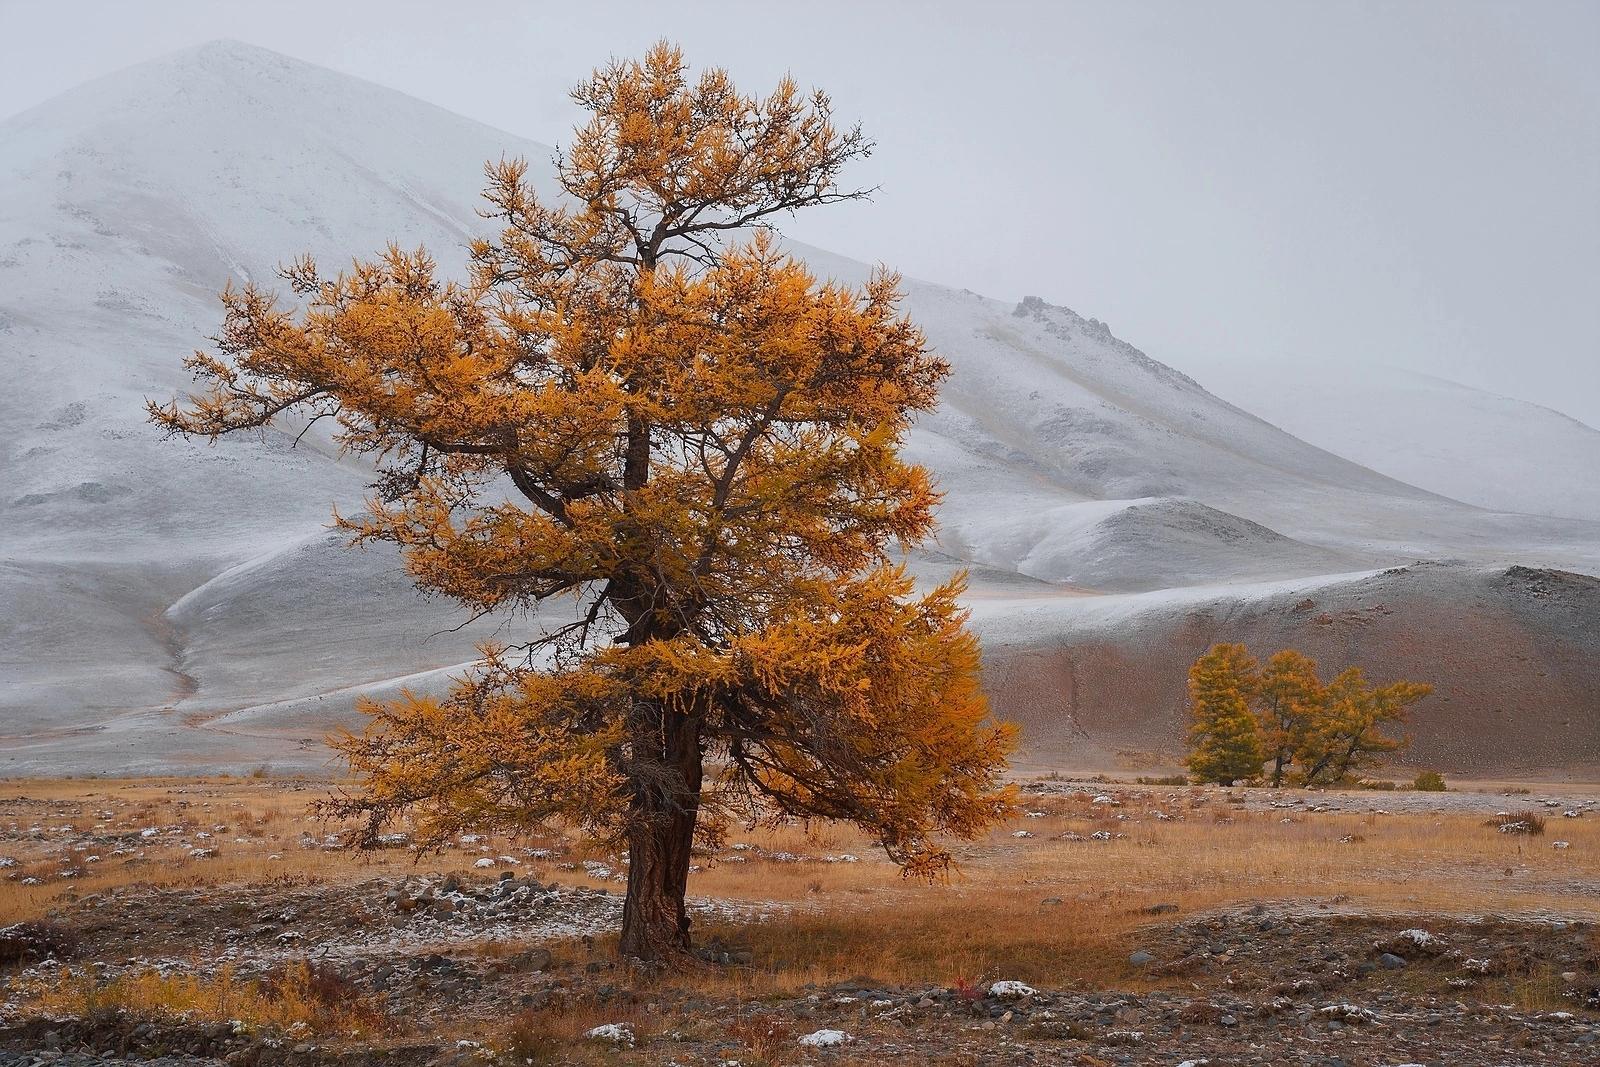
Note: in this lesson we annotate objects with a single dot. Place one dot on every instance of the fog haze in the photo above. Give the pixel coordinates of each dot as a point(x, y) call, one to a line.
point(1345, 185)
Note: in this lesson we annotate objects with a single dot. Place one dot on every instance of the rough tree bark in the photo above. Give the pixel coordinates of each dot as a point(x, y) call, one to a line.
point(664, 809)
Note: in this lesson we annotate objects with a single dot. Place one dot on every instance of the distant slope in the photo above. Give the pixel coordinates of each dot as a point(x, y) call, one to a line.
point(166, 604)
point(1485, 449)
point(1510, 652)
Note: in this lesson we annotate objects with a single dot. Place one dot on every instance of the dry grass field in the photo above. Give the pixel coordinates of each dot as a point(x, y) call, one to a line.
point(1058, 900)
point(1206, 848)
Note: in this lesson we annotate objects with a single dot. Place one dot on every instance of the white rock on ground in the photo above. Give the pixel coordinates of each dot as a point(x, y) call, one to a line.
point(1011, 990)
point(1419, 938)
point(615, 1033)
point(825, 1039)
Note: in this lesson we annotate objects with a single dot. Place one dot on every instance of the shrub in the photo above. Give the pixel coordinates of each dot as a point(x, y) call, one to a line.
point(1375, 783)
point(967, 990)
point(1429, 782)
point(1521, 822)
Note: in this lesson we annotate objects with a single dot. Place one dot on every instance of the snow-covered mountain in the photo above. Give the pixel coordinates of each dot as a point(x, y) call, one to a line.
point(167, 603)
point(1451, 438)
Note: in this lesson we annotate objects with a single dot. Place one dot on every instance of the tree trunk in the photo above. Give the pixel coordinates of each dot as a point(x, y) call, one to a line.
point(1348, 758)
point(666, 803)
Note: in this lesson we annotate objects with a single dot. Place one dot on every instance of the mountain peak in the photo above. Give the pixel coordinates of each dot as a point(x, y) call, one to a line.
point(232, 47)
point(228, 57)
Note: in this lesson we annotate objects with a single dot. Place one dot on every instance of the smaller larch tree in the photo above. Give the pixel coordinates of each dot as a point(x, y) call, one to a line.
point(1242, 716)
point(1288, 705)
point(1224, 735)
point(1348, 733)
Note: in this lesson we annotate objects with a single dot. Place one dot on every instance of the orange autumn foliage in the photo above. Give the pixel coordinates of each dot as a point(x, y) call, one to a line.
point(637, 402)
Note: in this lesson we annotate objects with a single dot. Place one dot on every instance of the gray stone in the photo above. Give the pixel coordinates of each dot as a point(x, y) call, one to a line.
point(532, 959)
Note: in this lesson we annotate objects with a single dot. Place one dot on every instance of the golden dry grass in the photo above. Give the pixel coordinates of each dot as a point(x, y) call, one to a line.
point(842, 918)
point(270, 814)
point(991, 921)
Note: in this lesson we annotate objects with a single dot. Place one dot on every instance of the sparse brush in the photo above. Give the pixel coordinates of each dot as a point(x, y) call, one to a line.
point(528, 1039)
point(314, 982)
point(554, 1035)
point(1382, 785)
point(297, 994)
point(1175, 779)
point(769, 1040)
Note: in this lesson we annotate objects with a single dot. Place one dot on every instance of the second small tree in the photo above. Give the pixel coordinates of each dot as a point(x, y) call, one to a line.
point(1224, 737)
point(1289, 702)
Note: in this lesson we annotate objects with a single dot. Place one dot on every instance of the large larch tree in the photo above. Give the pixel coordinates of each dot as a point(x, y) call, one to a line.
point(637, 402)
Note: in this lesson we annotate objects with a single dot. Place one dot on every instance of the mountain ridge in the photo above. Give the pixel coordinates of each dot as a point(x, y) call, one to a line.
point(1077, 469)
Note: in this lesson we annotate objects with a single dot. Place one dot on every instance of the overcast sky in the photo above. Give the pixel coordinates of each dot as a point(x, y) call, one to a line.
point(1413, 184)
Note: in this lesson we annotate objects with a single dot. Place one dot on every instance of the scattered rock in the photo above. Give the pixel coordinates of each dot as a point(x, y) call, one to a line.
point(27, 942)
point(530, 960)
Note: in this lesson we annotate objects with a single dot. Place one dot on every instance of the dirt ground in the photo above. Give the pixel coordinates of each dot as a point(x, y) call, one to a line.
point(205, 921)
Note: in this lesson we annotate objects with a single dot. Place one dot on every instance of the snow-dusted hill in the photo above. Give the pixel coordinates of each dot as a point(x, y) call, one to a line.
point(1465, 443)
point(166, 603)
